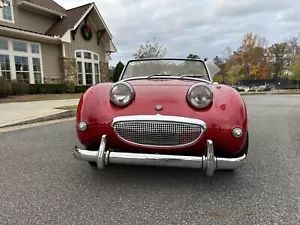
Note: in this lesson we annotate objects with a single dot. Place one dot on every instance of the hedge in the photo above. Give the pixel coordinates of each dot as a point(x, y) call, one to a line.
point(5, 88)
point(20, 88)
point(51, 88)
point(81, 89)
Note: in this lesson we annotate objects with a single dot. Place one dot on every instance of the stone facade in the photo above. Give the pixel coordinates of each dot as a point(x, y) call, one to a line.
point(69, 70)
point(104, 71)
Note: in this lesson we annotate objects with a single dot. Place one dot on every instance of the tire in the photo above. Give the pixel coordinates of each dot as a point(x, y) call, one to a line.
point(93, 164)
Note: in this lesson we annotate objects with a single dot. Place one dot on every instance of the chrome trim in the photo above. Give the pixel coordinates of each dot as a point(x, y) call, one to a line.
point(155, 59)
point(189, 93)
point(237, 132)
point(130, 89)
point(209, 162)
point(160, 118)
point(210, 159)
point(168, 77)
point(82, 126)
point(230, 163)
point(155, 160)
point(101, 153)
point(209, 74)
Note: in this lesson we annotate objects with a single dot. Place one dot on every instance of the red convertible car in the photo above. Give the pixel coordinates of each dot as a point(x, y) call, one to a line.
point(163, 112)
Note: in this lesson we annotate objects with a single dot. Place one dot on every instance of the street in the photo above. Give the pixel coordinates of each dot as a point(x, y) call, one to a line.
point(41, 183)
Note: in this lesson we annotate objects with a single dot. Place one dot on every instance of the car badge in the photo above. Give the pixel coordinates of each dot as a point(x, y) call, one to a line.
point(159, 108)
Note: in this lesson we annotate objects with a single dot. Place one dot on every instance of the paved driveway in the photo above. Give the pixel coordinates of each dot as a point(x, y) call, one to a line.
point(40, 182)
point(12, 113)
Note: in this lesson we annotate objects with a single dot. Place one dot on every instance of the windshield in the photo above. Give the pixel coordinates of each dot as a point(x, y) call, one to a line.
point(166, 67)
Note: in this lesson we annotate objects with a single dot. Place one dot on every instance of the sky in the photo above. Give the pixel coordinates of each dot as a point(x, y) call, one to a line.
point(199, 27)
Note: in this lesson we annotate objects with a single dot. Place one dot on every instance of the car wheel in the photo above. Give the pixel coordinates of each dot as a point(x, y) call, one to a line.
point(93, 164)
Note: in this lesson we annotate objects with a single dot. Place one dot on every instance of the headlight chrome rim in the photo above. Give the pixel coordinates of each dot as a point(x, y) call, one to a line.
point(130, 97)
point(82, 126)
point(192, 102)
point(237, 132)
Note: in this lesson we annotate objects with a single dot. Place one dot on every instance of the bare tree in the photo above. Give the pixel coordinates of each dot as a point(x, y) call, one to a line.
point(150, 50)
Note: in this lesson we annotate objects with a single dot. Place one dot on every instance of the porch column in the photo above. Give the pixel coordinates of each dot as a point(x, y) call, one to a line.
point(104, 72)
point(69, 70)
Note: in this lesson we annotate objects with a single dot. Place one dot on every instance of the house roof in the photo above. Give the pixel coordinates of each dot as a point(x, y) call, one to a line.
point(68, 22)
point(48, 4)
point(8, 30)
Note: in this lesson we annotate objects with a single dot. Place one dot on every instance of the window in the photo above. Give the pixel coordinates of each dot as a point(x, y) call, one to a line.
point(79, 73)
point(6, 11)
point(3, 44)
point(97, 74)
point(88, 72)
point(87, 55)
point(21, 61)
point(20, 46)
point(22, 69)
point(36, 62)
point(78, 55)
point(35, 48)
point(5, 67)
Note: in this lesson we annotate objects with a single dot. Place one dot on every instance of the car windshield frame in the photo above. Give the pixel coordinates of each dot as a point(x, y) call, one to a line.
point(206, 77)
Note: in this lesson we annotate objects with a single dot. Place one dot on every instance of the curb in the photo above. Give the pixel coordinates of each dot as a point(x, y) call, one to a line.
point(268, 93)
point(56, 116)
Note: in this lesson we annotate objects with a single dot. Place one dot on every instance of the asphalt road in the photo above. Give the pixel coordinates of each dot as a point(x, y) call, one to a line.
point(40, 182)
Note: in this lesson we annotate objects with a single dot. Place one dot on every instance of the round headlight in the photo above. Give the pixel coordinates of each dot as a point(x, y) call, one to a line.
point(199, 96)
point(121, 94)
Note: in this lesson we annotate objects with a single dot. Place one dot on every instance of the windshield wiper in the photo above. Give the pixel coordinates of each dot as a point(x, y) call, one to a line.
point(191, 75)
point(159, 75)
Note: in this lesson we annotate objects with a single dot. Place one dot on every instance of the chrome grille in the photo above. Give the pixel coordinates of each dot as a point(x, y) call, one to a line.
point(158, 133)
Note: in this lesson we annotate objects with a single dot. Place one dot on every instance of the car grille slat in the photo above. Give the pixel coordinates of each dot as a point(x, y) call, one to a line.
point(158, 133)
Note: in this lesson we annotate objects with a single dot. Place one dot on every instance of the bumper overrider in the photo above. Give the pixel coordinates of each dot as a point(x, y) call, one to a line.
point(208, 162)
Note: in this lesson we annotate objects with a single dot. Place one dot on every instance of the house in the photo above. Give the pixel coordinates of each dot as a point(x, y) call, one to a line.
point(41, 42)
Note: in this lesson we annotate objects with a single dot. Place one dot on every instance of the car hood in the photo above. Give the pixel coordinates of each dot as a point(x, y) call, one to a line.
point(162, 82)
point(171, 92)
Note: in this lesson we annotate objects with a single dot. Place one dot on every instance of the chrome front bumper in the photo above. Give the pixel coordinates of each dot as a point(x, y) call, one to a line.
point(209, 162)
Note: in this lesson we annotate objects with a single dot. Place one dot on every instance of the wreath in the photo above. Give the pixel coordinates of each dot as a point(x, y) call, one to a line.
point(86, 32)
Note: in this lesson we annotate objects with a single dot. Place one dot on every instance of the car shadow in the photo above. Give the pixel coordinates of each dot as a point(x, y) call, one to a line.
point(163, 177)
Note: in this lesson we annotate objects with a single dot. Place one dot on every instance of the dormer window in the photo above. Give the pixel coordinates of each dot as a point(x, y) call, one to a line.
point(6, 10)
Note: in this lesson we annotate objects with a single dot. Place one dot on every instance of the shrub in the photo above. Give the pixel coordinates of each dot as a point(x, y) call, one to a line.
point(81, 89)
point(69, 87)
point(23, 88)
point(20, 88)
point(52, 88)
point(5, 88)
